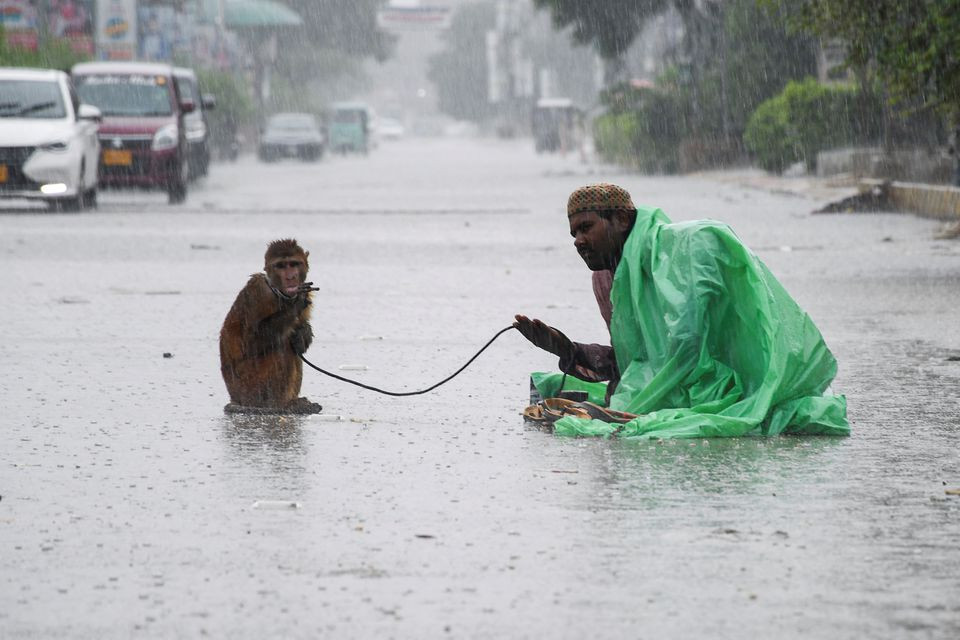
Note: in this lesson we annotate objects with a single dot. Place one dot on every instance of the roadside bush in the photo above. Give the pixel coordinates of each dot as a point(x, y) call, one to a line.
point(613, 134)
point(821, 115)
point(56, 54)
point(643, 129)
point(769, 136)
point(806, 118)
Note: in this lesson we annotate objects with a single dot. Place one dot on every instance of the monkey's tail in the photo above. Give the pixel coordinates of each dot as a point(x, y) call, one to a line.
point(410, 393)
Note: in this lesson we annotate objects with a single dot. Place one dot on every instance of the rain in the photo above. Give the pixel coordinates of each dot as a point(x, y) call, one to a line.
point(423, 153)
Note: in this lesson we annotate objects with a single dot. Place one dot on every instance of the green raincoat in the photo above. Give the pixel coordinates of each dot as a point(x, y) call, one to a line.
point(708, 343)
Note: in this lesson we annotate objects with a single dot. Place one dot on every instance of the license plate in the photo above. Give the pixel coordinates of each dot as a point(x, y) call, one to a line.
point(117, 157)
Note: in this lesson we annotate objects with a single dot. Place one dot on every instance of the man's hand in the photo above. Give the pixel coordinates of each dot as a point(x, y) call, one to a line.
point(545, 337)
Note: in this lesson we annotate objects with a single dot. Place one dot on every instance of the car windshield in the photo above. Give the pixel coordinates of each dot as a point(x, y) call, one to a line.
point(348, 116)
point(126, 95)
point(31, 99)
point(292, 123)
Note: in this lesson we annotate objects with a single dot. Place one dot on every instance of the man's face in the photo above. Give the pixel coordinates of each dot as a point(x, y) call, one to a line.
point(598, 240)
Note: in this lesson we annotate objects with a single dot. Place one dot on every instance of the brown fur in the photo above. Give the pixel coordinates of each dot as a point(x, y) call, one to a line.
point(259, 364)
point(287, 248)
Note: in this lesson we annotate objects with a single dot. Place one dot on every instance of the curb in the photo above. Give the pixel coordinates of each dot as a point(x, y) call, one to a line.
point(929, 201)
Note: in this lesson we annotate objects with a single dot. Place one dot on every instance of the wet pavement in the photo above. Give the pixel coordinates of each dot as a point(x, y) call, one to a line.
point(132, 506)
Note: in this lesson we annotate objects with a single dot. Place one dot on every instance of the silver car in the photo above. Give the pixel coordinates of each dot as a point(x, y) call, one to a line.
point(49, 148)
point(291, 135)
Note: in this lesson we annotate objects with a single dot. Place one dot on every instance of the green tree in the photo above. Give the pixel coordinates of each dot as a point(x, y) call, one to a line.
point(459, 70)
point(914, 44)
point(761, 56)
point(323, 58)
point(738, 54)
point(348, 26)
point(234, 111)
point(610, 27)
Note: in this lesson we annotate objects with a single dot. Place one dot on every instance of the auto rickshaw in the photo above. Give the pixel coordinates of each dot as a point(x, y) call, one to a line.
point(349, 127)
point(557, 125)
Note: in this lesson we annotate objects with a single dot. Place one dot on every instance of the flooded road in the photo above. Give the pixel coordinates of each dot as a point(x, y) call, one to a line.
point(132, 506)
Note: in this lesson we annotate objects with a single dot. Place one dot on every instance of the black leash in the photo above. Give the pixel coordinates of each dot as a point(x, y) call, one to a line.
point(411, 393)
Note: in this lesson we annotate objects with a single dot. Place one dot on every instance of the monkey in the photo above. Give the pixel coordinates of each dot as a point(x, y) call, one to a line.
point(264, 333)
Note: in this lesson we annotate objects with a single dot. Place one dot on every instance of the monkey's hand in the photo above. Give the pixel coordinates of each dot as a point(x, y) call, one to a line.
point(302, 297)
point(306, 287)
point(298, 301)
point(301, 338)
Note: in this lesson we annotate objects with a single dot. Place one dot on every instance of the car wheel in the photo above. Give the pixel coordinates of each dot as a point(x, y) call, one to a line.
point(192, 173)
point(68, 205)
point(177, 188)
point(176, 192)
point(90, 198)
point(76, 203)
point(204, 168)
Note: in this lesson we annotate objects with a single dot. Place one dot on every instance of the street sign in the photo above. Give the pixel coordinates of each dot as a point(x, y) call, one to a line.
point(413, 18)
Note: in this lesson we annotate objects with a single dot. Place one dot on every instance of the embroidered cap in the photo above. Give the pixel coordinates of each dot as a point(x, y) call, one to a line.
point(599, 197)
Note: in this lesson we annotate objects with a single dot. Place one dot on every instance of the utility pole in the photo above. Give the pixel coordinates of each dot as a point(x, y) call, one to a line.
point(43, 23)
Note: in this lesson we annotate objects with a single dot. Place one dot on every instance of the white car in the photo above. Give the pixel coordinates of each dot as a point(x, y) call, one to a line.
point(49, 148)
point(390, 129)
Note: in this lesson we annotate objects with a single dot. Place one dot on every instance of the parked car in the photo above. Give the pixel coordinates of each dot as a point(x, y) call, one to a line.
point(48, 139)
point(143, 132)
point(195, 123)
point(390, 128)
point(291, 135)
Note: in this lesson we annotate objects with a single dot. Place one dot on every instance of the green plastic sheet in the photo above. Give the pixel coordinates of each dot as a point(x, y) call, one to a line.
point(708, 342)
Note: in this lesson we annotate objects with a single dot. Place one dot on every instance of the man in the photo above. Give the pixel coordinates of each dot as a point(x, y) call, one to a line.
point(705, 341)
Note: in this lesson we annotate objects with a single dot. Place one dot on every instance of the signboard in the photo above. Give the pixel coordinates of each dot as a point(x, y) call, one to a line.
point(72, 21)
point(116, 29)
point(413, 18)
point(19, 20)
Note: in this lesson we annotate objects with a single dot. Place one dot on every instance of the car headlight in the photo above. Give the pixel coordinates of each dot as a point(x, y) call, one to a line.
point(166, 138)
point(56, 147)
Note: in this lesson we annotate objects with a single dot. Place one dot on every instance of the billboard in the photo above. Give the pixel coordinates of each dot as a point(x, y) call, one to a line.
point(20, 25)
point(164, 32)
point(116, 29)
point(24, 22)
point(71, 20)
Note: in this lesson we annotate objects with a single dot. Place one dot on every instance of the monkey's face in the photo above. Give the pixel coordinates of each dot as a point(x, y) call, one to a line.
point(287, 274)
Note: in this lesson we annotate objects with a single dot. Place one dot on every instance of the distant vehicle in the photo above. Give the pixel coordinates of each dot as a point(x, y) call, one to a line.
point(48, 140)
point(390, 129)
point(557, 125)
point(195, 123)
point(350, 127)
point(143, 132)
point(291, 135)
